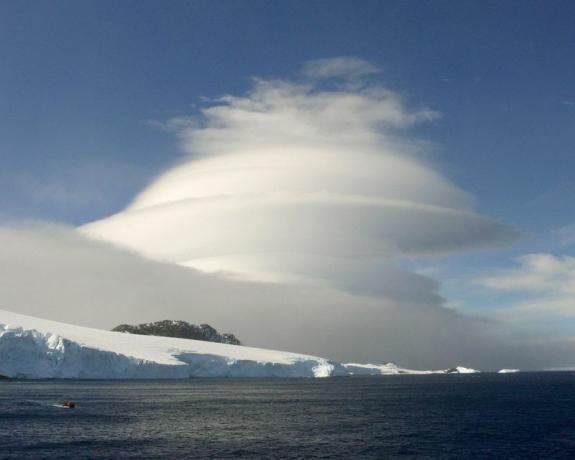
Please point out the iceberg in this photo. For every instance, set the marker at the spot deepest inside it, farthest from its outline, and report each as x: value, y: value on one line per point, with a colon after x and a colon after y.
x: 461, y: 370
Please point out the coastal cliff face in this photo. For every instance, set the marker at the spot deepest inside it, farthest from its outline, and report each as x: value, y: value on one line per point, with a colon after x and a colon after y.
x: 181, y: 330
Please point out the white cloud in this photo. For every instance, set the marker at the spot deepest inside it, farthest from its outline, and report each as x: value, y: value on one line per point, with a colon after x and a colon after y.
x: 567, y: 235
x: 548, y: 280
x: 284, y: 223
x: 54, y: 272
x: 292, y: 175
x: 347, y: 67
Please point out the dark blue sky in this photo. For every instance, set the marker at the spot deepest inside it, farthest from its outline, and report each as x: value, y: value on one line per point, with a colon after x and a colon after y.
x: 80, y: 80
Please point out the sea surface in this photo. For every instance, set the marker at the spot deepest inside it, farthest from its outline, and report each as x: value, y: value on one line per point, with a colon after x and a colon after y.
x: 486, y: 416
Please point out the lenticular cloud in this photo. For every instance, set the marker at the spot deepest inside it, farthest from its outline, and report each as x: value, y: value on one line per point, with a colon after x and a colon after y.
x: 309, y: 180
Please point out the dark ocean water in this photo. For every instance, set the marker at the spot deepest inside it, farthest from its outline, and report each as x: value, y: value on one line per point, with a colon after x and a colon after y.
x: 485, y: 416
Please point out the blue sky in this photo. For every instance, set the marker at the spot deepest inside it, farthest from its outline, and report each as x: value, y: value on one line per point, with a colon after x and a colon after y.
x: 82, y: 83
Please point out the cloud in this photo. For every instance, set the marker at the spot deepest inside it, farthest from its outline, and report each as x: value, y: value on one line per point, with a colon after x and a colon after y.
x: 70, y: 191
x: 548, y: 280
x: 286, y: 223
x: 55, y: 272
x: 293, y: 175
x: 347, y: 67
x: 567, y: 234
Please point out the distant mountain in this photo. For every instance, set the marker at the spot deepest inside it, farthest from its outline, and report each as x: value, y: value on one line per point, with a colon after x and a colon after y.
x: 180, y: 330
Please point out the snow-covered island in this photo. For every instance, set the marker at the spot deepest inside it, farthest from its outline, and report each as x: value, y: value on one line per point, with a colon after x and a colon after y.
x: 35, y: 348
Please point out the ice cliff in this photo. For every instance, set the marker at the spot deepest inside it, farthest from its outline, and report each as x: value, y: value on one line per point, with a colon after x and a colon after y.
x: 35, y: 348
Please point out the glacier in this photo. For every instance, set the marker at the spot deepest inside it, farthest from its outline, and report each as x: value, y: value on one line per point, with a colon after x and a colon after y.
x: 34, y: 348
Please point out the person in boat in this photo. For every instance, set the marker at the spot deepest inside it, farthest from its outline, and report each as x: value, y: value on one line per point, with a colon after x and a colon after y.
x: 69, y: 404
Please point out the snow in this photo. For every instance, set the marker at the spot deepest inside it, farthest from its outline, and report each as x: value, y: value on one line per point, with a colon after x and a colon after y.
x: 393, y: 369
x: 464, y: 370
x: 38, y: 348
x: 382, y: 369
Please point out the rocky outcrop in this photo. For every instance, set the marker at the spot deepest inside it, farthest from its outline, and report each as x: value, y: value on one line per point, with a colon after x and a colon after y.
x: 181, y: 330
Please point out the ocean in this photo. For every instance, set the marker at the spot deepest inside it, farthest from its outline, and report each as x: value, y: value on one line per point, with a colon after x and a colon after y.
x: 484, y: 416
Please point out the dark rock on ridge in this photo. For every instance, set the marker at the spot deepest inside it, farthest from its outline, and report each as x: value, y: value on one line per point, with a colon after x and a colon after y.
x: 181, y: 330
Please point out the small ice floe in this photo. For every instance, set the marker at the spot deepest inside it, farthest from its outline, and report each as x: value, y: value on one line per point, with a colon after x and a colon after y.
x: 461, y: 370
